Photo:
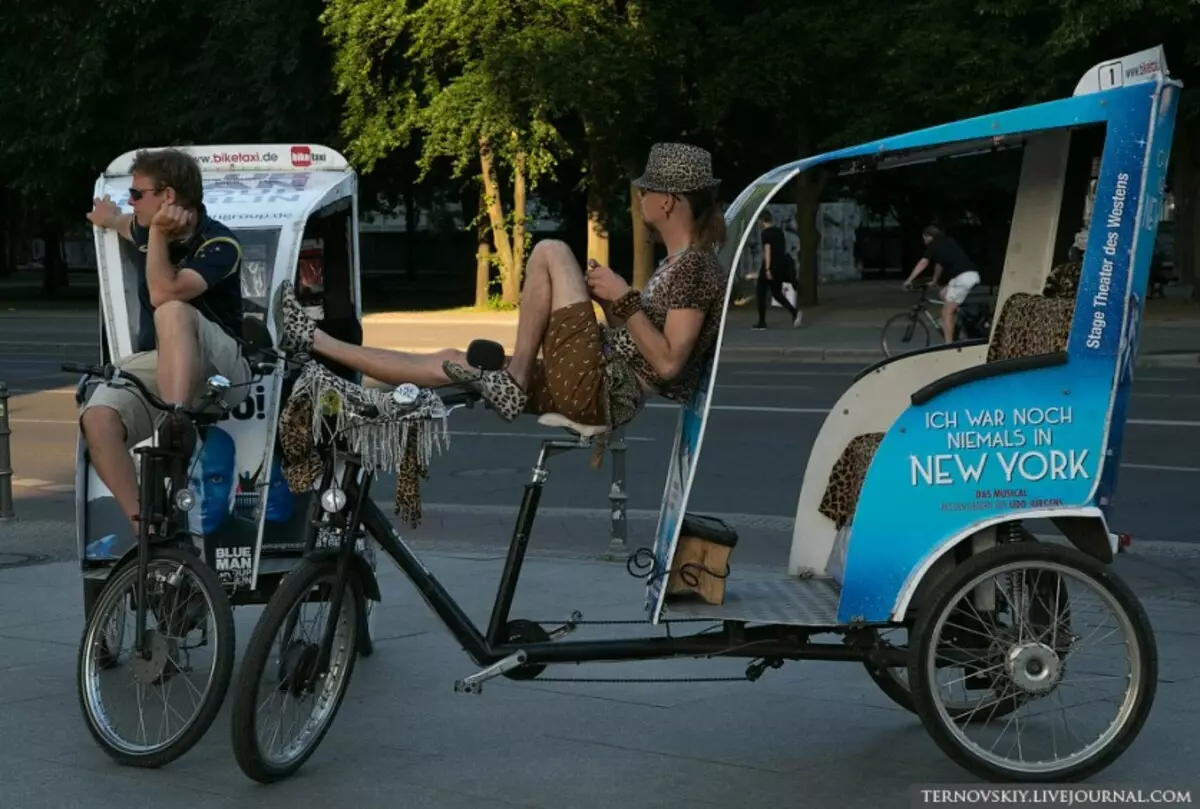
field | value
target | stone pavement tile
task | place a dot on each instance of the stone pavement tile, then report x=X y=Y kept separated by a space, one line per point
x=19 y=652
x=30 y=783
x=50 y=728
x=23 y=683
x=22 y=603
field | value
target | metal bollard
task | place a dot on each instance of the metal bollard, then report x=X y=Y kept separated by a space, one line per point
x=6 y=472
x=617 y=496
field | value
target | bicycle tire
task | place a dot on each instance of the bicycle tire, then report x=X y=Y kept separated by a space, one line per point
x=224 y=651
x=948 y=591
x=244 y=709
x=919 y=332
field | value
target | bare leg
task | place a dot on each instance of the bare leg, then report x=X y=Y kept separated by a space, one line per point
x=553 y=279
x=949 y=314
x=178 y=328
x=389 y=367
x=105 y=437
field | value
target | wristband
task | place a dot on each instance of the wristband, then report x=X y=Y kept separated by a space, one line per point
x=626 y=305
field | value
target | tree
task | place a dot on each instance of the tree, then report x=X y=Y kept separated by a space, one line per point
x=426 y=67
x=85 y=82
x=1078 y=34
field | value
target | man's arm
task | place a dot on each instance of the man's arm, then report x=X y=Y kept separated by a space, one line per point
x=920 y=268
x=106 y=214
x=215 y=261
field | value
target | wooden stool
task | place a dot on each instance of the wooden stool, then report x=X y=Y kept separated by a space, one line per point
x=704 y=542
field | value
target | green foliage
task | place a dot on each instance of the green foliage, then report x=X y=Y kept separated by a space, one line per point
x=86 y=81
x=423 y=68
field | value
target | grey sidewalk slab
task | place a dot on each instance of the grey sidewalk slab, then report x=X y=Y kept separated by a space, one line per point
x=812 y=734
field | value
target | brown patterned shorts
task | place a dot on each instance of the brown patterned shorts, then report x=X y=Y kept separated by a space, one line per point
x=570 y=378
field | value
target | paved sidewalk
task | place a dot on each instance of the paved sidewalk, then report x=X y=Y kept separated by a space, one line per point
x=845 y=327
x=811 y=734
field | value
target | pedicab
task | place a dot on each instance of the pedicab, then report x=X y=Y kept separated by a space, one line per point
x=234 y=528
x=914 y=508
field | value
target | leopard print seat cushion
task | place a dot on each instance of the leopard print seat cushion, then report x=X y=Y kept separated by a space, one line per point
x=1063 y=280
x=1030 y=325
x=846 y=478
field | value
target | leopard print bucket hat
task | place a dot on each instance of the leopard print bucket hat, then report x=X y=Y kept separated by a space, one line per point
x=677 y=168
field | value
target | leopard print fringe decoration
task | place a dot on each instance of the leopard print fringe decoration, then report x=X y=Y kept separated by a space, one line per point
x=401 y=438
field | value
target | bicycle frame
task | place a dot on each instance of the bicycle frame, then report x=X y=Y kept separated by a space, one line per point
x=492 y=648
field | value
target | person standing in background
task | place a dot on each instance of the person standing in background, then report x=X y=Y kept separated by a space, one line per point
x=776 y=270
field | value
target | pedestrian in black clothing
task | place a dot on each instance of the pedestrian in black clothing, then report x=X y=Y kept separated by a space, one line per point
x=777 y=269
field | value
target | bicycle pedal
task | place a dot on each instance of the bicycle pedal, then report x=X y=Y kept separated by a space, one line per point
x=473 y=684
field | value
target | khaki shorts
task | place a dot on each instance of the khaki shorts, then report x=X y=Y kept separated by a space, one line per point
x=219 y=354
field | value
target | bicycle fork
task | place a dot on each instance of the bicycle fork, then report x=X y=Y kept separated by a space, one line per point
x=145 y=515
x=346 y=553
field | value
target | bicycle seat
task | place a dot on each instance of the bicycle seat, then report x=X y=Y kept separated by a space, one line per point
x=581 y=430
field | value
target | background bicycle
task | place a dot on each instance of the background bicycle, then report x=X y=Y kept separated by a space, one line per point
x=916 y=328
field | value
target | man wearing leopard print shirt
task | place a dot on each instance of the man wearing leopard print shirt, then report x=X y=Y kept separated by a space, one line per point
x=657 y=340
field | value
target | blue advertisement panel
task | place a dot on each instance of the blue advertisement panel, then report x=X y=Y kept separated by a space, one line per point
x=1155 y=179
x=1030 y=443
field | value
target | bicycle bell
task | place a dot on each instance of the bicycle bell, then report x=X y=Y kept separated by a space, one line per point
x=406 y=394
x=218 y=384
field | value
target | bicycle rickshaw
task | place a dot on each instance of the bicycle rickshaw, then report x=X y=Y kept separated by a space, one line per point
x=294 y=209
x=911 y=516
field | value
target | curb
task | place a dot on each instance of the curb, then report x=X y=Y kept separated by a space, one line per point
x=37 y=528
x=800 y=354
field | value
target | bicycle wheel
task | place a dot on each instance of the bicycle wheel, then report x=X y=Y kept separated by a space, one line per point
x=187 y=612
x=268 y=675
x=1018 y=635
x=902 y=333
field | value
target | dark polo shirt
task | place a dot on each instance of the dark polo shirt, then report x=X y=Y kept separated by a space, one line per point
x=215 y=253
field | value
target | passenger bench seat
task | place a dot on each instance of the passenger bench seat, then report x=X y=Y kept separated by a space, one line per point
x=1028 y=325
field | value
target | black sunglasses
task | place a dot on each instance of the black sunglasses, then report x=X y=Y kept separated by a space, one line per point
x=136 y=194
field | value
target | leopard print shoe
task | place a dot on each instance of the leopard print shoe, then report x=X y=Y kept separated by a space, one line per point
x=293 y=327
x=498 y=388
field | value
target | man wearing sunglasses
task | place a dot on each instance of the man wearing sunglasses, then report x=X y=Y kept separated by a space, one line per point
x=190 y=291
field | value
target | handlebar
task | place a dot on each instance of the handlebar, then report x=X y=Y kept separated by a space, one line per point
x=111 y=373
x=452 y=400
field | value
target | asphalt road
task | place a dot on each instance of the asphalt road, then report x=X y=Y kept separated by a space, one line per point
x=765 y=420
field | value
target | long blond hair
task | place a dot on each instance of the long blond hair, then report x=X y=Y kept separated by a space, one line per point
x=708 y=222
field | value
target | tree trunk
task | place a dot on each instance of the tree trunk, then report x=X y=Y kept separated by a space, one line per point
x=1185 y=168
x=807 y=196
x=7 y=252
x=53 y=267
x=412 y=220
x=597 y=237
x=518 y=233
x=1187 y=229
x=643 y=247
x=508 y=278
x=483 y=256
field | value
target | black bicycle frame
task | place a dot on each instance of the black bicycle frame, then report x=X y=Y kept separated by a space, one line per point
x=734 y=640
